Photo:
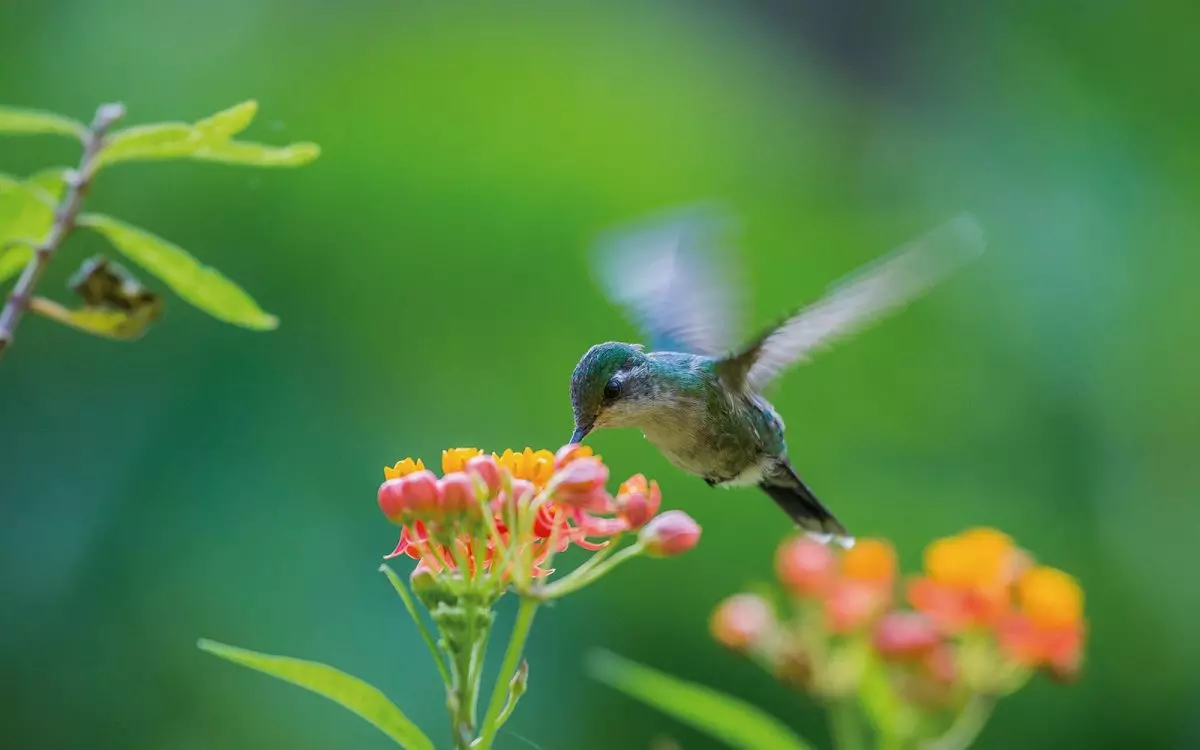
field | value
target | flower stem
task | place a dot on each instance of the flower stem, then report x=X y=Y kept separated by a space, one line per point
x=426 y=636
x=967 y=727
x=844 y=726
x=65 y=214
x=509 y=667
x=465 y=698
x=582 y=576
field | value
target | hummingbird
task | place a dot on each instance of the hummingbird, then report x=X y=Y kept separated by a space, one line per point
x=694 y=393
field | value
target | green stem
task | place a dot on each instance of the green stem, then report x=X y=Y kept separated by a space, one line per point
x=582 y=576
x=966 y=727
x=406 y=597
x=465 y=699
x=512 y=662
x=844 y=726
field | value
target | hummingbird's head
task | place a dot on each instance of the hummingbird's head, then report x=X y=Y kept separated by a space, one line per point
x=608 y=384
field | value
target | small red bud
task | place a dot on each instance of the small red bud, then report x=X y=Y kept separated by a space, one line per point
x=850 y=605
x=458 y=493
x=487 y=468
x=580 y=484
x=804 y=565
x=903 y=635
x=741 y=621
x=638 y=502
x=391 y=501
x=569 y=453
x=670 y=534
x=421 y=492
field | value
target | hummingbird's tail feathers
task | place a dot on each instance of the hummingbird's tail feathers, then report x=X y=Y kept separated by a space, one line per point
x=795 y=498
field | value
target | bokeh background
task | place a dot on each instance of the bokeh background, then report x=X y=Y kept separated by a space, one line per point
x=431 y=273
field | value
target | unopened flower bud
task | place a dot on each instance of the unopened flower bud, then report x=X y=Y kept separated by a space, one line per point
x=580 y=485
x=487 y=468
x=569 y=453
x=421 y=492
x=423 y=578
x=903 y=635
x=804 y=565
x=637 y=501
x=850 y=605
x=741 y=621
x=391 y=501
x=458 y=494
x=670 y=534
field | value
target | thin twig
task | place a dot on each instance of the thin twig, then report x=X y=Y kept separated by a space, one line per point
x=64 y=221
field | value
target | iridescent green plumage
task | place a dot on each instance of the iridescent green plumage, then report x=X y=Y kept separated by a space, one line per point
x=697 y=399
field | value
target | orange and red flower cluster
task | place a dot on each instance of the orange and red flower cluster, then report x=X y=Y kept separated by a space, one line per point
x=983 y=615
x=521 y=508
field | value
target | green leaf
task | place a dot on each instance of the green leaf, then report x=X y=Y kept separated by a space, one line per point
x=197 y=284
x=24 y=220
x=341 y=688
x=257 y=154
x=13 y=258
x=50 y=184
x=206 y=140
x=106 y=322
x=733 y=721
x=168 y=140
x=228 y=122
x=32 y=121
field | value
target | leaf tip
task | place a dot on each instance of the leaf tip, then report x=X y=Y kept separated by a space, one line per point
x=304 y=152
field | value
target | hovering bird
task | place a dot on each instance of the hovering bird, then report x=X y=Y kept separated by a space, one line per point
x=696 y=397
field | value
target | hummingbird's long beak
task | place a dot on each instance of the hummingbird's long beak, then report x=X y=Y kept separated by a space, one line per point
x=579 y=434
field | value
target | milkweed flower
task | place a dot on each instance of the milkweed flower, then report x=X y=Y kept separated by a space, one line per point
x=981 y=617
x=742 y=621
x=505 y=516
x=495 y=522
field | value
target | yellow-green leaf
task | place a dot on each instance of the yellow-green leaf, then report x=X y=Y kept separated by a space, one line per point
x=197 y=284
x=24 y=221
x=257 y=154
x=50 y=184
x=730 y=720
x=168 y=140
x=345 y=690
x=32 y=121
x=228 y=122
x=109 y=323
x=13 y=259
x=206 y=140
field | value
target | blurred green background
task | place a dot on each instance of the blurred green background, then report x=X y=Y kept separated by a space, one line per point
x=430 y=271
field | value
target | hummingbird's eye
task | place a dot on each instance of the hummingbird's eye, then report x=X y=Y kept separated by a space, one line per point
x=612 y=389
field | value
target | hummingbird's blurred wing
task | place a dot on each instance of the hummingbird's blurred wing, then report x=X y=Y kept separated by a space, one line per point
x=670 y=275
x=866 y=295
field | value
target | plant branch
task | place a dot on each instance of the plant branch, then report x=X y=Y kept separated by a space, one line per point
x=844 y=726
x=64 y=221
x=512 y=662
x=966 y=728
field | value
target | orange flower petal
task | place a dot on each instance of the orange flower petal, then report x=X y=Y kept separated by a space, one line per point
x=870 y=561
x=1050 y=597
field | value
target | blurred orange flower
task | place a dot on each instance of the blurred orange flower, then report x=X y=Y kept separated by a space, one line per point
x=968 y=579
x=1048 y=629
